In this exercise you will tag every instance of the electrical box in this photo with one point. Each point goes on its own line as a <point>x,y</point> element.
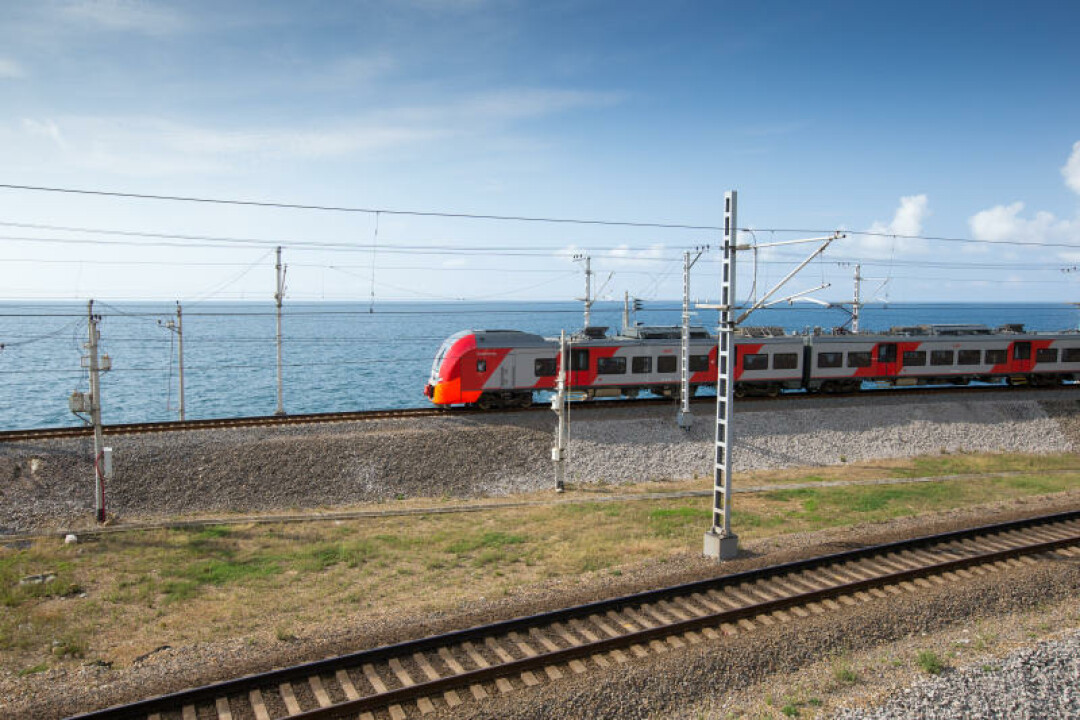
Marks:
<point>557,454</point>
<point>79,402</point>
<point>106,363</point>
<point>106,462</point>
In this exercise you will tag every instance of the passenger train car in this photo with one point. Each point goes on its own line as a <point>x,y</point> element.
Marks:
<point>502,368</point>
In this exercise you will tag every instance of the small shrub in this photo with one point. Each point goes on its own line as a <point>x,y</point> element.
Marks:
<point>790,710</point>
<point>845,673</point>
<point>929,662</point>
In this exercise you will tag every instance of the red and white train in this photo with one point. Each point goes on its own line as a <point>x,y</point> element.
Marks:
<point>503,368</point>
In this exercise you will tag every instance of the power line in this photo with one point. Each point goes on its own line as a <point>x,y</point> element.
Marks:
<point>367,211</point>
<point>931,238</point>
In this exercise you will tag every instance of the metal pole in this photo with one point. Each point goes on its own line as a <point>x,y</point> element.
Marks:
<point>685,417</point>
<point>588,289</point>
<point>625,310</point>
<point>720,542</point>
<point>558,453</point>
<point>855,303</point>
<point>277,298</point>
<point>95,413</point>
<point>180,359</point>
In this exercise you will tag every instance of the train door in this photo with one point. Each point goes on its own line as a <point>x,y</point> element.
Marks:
<point>506,371</point>
<point>1021,357</point>
<point>579,367</point>
<point>887,365</point>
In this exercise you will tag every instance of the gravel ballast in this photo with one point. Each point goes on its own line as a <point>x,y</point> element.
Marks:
<point>47,485</point>
<point>1037,682</point>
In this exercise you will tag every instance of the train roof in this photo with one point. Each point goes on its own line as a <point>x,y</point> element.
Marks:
<point>502,338</point>
<point>662,332</point>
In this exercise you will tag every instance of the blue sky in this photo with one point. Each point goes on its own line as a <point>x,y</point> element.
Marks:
<point>957,119</point>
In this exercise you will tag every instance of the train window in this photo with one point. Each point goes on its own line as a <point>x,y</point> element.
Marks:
<point>941,357</point>
<point>481,366</point>
<point>996,357</point>
<point>611,366</point>
<point>1022,351</point>
<point>667,364</point>
<point>641,364</point>
<point>858,359</point>
<point>699,363</point>
<point>830,360</point>
<point>579,359</point>
<point>886,353</point>
<point>545,367</point>
<point>1071,355</point>
<point>914,358</point>
<point>968,357</point>
<point>759,361</point>
<point>1046,355</point>
<point>785,361</point>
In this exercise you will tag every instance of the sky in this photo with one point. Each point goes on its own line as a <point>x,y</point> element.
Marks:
<point>894,122</point>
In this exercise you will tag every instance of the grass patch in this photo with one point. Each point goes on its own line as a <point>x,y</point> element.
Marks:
<point>488,540</point>
<point>42,667</point>
<point>149,588</point>
<point>670,522</point>
<point>845,674</point>
<point>929,662</point>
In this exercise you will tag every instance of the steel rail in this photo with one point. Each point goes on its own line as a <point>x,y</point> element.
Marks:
<point>54,433</point>
<point>262,680</point>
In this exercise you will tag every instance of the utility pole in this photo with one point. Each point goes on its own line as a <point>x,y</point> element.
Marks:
<point>558,404</point>
<point>177,326</point>
<point>102,454</point>
<point>588,285</point>
<point>625,310</point>
<point>685,417</point>
<point>855,302</point>
<point>720,542</point>
<point>278,296</point>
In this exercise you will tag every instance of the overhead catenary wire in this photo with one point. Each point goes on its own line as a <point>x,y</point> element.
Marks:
<point>479,216</point>
<point>362,210</point>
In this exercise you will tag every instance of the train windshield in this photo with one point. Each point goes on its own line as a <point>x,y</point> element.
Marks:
<point>445,348</point>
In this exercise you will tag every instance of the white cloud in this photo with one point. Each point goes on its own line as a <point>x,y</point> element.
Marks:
<point>44,128</point>
<point>624,256</point>
<point>1071,171</point>
<point>141,16</point>
<point>10,70</point>
<point>145,146</point>
<point>1004,223</point>
<point>907,221</point>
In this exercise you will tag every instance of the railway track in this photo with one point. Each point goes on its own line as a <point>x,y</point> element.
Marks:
<point>54,433</point>
<point>415,678</point>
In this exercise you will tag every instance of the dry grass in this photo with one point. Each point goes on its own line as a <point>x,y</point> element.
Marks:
<point>121,595</point>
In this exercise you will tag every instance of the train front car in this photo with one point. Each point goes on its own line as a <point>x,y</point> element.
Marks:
<point>486,368</point>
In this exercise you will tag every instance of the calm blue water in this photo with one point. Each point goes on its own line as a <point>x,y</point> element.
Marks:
<point>337,356</point>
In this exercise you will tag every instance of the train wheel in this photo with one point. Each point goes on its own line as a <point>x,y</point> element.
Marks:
<point>487,402</point>
<point>773,391</point>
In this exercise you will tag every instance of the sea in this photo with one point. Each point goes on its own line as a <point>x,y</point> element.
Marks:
<point>336,356</point>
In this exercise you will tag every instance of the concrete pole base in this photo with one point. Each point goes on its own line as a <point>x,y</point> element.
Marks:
<point>685,420</point>
<point>721,547</point>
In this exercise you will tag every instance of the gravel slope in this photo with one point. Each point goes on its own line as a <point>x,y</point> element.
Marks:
<point>48,485</point>
<point>1037,682</point>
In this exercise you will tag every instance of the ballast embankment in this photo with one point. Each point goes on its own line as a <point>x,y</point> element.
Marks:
<point>47,485</point>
